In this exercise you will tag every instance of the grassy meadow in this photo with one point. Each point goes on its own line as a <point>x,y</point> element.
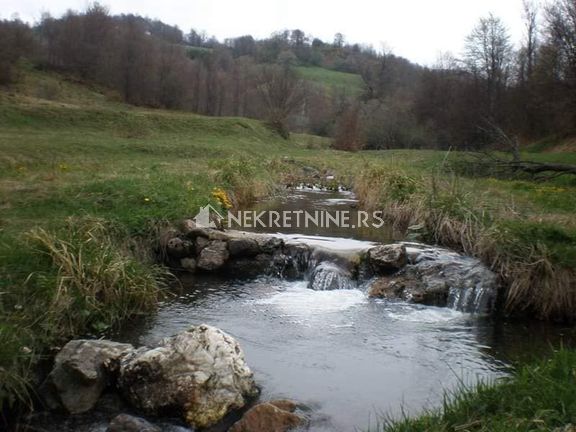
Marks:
<point>349,83</point>
<point>87,183</point>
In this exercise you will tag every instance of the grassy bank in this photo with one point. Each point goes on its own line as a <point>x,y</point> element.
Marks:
<point>525,230</point>
<point>85,186</point>
<point>87,183</point>
<point>538,397</point>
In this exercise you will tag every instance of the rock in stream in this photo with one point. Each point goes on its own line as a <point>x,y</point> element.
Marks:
<point>440,277</point>
<point>200,373</point>
<point>81,372</point>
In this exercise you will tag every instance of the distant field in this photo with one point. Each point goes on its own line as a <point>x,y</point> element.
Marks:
<point>196,52</point>
<point>553,145</point>
<point>351,83</point>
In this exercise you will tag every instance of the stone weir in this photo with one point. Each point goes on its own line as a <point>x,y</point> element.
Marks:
<point>409,272</point>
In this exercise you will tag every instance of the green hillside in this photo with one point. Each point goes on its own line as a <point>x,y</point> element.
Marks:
<point>350,83</point>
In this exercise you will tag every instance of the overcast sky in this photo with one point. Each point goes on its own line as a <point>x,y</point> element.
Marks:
<point>416,29</point>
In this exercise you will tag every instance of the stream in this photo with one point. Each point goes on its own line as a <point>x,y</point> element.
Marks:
<point>346,357</point>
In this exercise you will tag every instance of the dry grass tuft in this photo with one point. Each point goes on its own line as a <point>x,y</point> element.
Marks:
<point>97,283</point>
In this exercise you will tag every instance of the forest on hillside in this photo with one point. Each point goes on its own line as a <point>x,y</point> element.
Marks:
<point>522,89</point>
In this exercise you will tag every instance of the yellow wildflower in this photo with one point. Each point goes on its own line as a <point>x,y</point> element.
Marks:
<point>222,197</point>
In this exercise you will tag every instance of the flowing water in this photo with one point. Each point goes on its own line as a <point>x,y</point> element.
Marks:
<point>346,357</point>
<point>341,354</point>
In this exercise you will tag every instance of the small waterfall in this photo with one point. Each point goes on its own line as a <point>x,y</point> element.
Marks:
<point>476,291</point>
<point>477,299</point>
<point>327,276</point>
<point>328,263</point>
<point>464,282</point>
<point>296,262</point>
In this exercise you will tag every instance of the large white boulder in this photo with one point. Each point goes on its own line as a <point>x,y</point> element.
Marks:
<point>200,373</point>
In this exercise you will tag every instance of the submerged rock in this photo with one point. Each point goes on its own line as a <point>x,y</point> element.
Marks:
<point>187,226</point>
<point>179,248</point>
<point>128,423</point>
<point>188,264</point>
<point>243,247</point>
<point>386,288</point>
<point>201,243</point>
<point>411,285</point>
<point>269,244</point>
<point>269,417</point>
<point>295,261</point>
<point>250,267</point>
<point>327,277</point>
<point>237,252</point>
<point>284,404</point>
<point>82,370</point>
<point>200,373</point>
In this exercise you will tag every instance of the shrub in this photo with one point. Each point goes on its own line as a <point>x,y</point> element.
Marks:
<point>242,180</point>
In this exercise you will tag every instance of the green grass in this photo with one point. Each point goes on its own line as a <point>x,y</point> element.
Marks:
<point>335,81</point>
<point>197,52</point>
<point>538,397</point>
<point>553,144</point>
<point>123,173</point>
<point>41,88</point>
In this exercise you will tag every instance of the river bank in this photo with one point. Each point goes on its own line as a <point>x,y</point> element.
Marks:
<point>539,396</point>
<point>124,174</point>
<point>423,350</point>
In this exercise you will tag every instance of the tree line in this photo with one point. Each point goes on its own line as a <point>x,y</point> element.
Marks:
<point>529,92</point>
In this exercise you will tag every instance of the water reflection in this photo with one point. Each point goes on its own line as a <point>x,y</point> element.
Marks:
<point>330,201</point>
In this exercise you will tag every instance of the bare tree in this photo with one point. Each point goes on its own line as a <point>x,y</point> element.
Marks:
<point>298,38</point>
<point>196,38</point>
<point>523,96</point>
<point>339,40</point>
<point>16,41</point>
<point>488,56</point>
<point>531,38</point>
<point>561,39</point>
<point>282,92</point>
<point>242,46</point>
<point>561,18</point>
